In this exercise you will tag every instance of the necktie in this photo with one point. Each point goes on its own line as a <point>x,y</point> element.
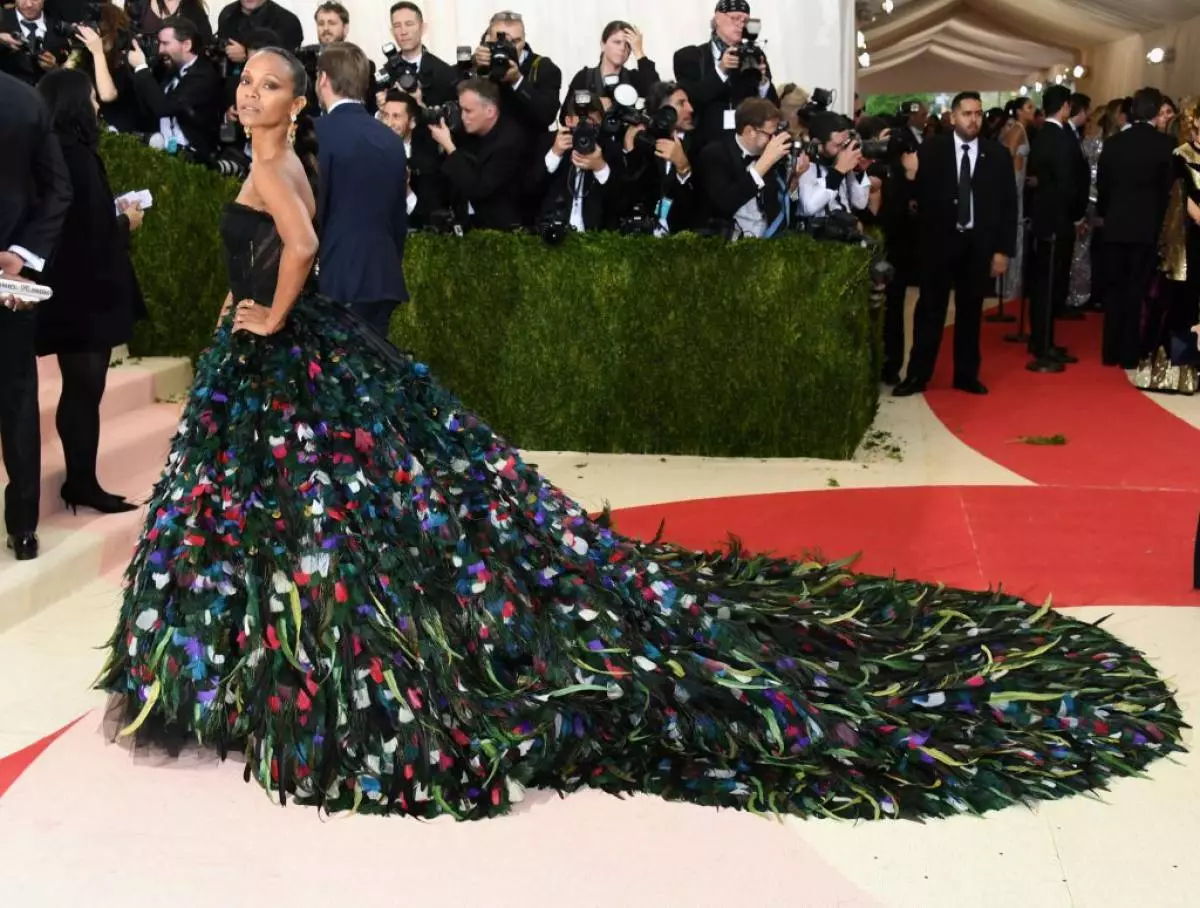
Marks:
<point>31,27</point>
<point>964,188</point>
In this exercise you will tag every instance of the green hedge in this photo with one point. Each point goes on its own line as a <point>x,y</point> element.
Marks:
<point>624,344</point>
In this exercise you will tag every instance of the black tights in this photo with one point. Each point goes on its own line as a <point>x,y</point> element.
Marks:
<point>84,376</point>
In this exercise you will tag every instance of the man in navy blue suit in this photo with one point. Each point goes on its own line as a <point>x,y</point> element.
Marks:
<point>362,209</point>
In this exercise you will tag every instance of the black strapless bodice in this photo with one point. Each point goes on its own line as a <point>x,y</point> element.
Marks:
<point>252,249</point>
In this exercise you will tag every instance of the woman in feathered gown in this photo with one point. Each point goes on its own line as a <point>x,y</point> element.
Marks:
<point>353,579</point>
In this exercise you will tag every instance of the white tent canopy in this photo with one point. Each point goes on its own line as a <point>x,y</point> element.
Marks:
<point>995,45</point>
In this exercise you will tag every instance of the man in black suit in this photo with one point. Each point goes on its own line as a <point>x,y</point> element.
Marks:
<point>426,186</point>
<point>661,181</point>
<point>743,177</point>
<point>486,174</point>
<point>1060,199</point>
<point>1133,187</point>
<point>712,75</point>
<point>189,104</point>
<point>436,79</point>
<point>576,187</point>
<point>31,41</point>
<point>362,211</point>
<point>530,88</point>
<point>35,193</point>
<point>967,216</point>
<point>242,16</point>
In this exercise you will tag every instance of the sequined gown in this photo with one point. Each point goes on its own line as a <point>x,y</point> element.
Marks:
<point>1013,284</point>
<point>348,575</point>
<point>1080,289</point>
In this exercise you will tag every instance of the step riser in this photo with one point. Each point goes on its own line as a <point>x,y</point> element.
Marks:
<point>120,397</point>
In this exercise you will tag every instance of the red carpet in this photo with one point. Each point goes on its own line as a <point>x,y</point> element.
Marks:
<point>1116,436</point>
<point>1086,547</point>
<point>14,764</point>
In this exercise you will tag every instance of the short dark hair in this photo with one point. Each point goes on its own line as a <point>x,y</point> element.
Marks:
<point>485,88</point>
<point>659,95</point>
<point>260,39</point>
<point>184,30</point>
<point>68,96</point>
<point>617,25</point>
<point>1080,103</point>
<point>754,112</point>
<point>347,68</point>
<point>396,96</point>
<point>965,96</point>
<point>332,6</point>
<point>1167,102</point>
<point>1055,98</point>
<point>405,4</point>
<point>1146,104</point>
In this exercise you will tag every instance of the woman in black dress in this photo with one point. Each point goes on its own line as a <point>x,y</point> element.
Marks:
<point>96,295</point>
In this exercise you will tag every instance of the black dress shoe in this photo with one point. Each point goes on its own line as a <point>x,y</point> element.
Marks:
<point>24,546</point>
<point>891,378</point>
<point>1060,355</point>
<point>975,386</point>
<point>908,388</point>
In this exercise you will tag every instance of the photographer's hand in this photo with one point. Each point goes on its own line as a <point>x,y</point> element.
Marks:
<point>777,149</point>
<point>513,76</point>
<point>136,58</point>
<point>730,61</point>
<point>593,162</point>
<point>562,143</point>
<point>483,58</point>
<point>10,41</point>
<point>47,60</point>
<point>441,134</point>
<point>235,53</point>
<point>802,164</point>
<point>631,136</point>
<point>672,150</point>
<point>848,158</point>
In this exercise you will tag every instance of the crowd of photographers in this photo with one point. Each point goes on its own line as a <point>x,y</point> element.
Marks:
<point>493,139</point>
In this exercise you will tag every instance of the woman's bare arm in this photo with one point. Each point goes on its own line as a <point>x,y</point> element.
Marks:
<point>292,219</point>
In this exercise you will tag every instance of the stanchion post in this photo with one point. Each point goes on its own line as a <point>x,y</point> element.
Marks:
<point>1042,361</point>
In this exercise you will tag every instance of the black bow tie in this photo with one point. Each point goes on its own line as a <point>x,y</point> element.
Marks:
<point>746,156</point>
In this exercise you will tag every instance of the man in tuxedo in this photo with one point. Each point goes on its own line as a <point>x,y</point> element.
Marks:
<point>743,177</point>
<point>426,187</point>
<point>31,42</point>
<point>188,106</point>
<point>435,77</point>
<point>362,212</point>
<point>967,217</point>
<point>711,75</point>
<point>1133,188</point>
<point>485,168</point>
<point>35,193</point>
<point>575,186</point>
<point>1060,199</point>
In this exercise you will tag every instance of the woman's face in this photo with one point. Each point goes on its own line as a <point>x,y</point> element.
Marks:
<point>616,49</point>
<point>265,98</point>
<point>1025,114</point>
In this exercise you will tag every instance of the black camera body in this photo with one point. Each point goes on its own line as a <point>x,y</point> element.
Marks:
<point>397,72</point>
<point>503,51</point>
<point>585,137</point>
<point>639,222</point>
<point>449,113</point>
<point>626,112</point>
<point>750,54</point>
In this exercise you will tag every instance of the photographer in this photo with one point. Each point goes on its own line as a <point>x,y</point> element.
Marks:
<point>486,173</point>
<point>107,63</point>
<point>572,178</point>
<point>659,175</point>
<point>241,17</point>
<point>31,43</point>
<point>898,216</point>
<point>618,43</point>
<point>431,81</point>
<point>722,73</point>
<point>529,85</point>
<point>148,16</point>
<point>426,191</point>
<point>188,104</point>
<point>745,177</point>
<point>836,181</point>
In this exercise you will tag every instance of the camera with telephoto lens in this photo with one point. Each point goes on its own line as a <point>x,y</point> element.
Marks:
<point>308,56</point>
<point>872,149</point>
<point>553,230</point>
<point>449,113</point>
<point>396,72</point>
<point>750,54</point>
<point>504,52</point>
<point>629,110</point>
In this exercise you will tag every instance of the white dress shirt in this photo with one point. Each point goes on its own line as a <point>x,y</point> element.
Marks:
<point>972,153</point>
<point>750,218</point>
<point>816,198</point>
<point>39,26</point>
<point>411,198</point>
